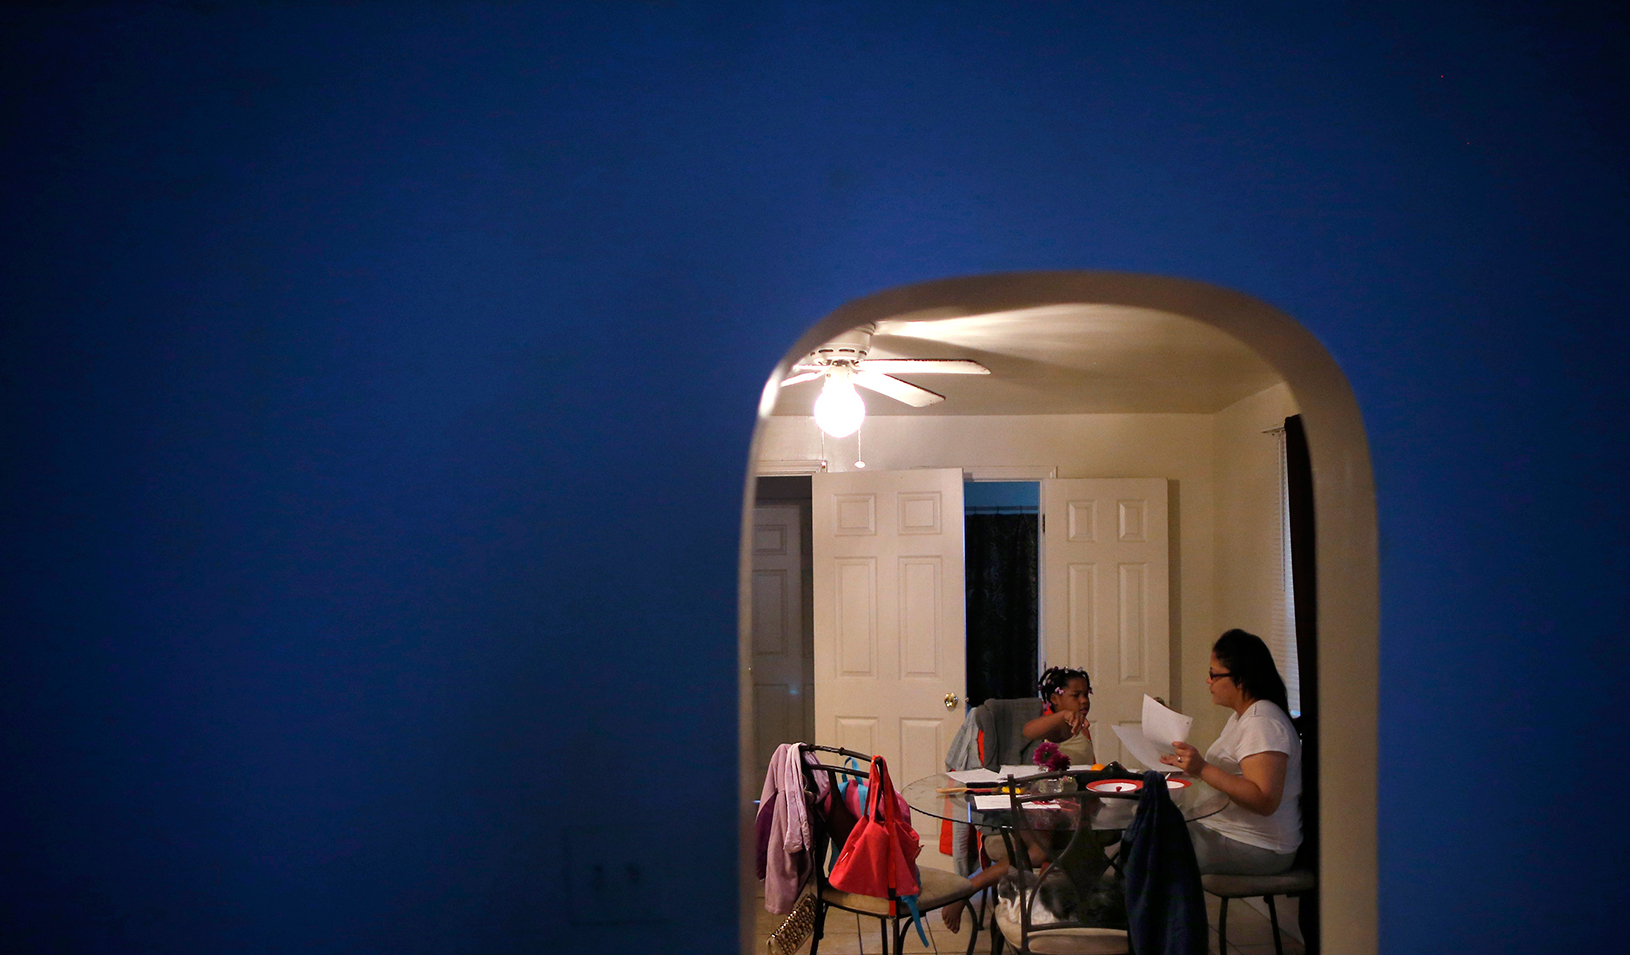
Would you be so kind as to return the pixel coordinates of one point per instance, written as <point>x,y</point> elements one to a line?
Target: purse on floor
<point>798,925</point>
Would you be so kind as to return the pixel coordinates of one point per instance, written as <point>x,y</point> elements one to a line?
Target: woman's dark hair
<point>1248,660</point>
<point>1057,679</point>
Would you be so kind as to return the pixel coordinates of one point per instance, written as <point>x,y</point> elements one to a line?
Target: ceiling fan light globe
<point>839,410</point>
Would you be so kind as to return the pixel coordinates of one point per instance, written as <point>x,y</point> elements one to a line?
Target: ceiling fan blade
<point>898,390</point>
<point>806,376</point>
<point>922,366</point>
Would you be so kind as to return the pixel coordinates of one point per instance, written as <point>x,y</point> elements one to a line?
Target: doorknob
<point>950,701</point>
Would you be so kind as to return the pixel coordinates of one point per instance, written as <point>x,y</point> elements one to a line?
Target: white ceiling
<point>1063,359</point>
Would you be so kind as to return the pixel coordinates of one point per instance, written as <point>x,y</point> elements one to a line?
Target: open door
<point>889,624</point>
<point>1105,595</point>
<point>781,681</point>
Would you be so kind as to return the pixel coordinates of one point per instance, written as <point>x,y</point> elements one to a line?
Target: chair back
<point>829,820</point>
<point>1080,864</point>
<point>1002,723</point>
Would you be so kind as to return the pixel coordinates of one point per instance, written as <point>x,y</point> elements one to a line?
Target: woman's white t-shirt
<point>1264,728</point>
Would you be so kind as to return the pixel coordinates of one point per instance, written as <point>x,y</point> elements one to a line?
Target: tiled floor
<point>846,934</point>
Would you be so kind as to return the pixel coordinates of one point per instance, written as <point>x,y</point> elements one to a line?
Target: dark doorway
<point>1001,528</point>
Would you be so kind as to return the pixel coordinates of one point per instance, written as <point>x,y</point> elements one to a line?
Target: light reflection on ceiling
<point>1064,359</point>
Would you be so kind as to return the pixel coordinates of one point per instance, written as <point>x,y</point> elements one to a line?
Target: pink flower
<point>1049,757</point>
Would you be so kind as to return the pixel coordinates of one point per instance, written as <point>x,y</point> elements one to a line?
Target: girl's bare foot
<point>951,915</point>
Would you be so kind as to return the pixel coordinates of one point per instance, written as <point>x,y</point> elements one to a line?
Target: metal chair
<point>939,888</point>
<point>1298,880</point>
<point>1052,938</point>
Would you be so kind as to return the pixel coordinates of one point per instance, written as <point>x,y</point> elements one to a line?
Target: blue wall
<point>378,381</point>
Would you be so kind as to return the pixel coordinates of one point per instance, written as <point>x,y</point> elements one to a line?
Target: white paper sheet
<point>985,777</point>
<point>1153,740</point>
<point>1163,724</point>
<point>975,777</point>
<point>1002,802</point>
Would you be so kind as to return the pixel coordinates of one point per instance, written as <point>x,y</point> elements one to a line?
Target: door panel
<point>858,733</point>
<point>889,620</point>
<point>781,666</point>
<point>1105,594</point>
<point>920,624</point>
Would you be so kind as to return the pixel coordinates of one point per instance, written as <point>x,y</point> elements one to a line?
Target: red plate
<point>1172,782</point>
<point>1115,785</point>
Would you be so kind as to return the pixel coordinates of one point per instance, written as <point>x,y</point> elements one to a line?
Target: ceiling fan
<point>843,363</point>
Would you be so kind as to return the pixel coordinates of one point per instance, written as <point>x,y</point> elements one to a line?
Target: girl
<point>1065,693</point>
<point>1068,693</point>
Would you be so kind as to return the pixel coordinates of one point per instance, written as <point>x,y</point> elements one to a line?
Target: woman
<point>1065,693</point>
<point>1063,720</point>
<point>1257,762</point>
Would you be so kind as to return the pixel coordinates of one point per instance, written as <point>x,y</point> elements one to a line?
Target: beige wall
<point>1245,529</point>
<point>1215,465</point>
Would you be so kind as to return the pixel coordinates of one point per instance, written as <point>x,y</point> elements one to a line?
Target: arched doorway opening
<point>1344,517</point>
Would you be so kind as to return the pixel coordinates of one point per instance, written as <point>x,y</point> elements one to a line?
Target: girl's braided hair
<point>1057,679</point>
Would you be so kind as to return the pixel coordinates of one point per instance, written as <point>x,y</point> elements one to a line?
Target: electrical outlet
<point>615,875</point>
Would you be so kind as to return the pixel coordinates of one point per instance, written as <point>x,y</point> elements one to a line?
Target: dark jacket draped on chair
<point>1165,905</point>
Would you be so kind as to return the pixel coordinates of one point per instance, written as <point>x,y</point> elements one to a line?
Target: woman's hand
<point>1258,787</point>
<point>1187,758</point>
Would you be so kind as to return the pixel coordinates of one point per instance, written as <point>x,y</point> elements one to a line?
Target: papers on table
<point>1003,802</point>
<point>985,777</point>
<point>1153,739</point>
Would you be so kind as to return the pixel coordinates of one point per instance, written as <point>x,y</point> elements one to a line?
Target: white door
<point>781,666</point>
<point>1105,595</point>
<point>889,618</point>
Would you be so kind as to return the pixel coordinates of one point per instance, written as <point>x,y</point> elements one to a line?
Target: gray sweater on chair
<point>1002,723</point>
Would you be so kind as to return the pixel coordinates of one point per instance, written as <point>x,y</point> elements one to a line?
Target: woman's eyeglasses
<point>1213,675</point>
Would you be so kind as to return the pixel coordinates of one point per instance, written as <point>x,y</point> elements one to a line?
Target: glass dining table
<point>1076,830</point>
<point>1101,805</point>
